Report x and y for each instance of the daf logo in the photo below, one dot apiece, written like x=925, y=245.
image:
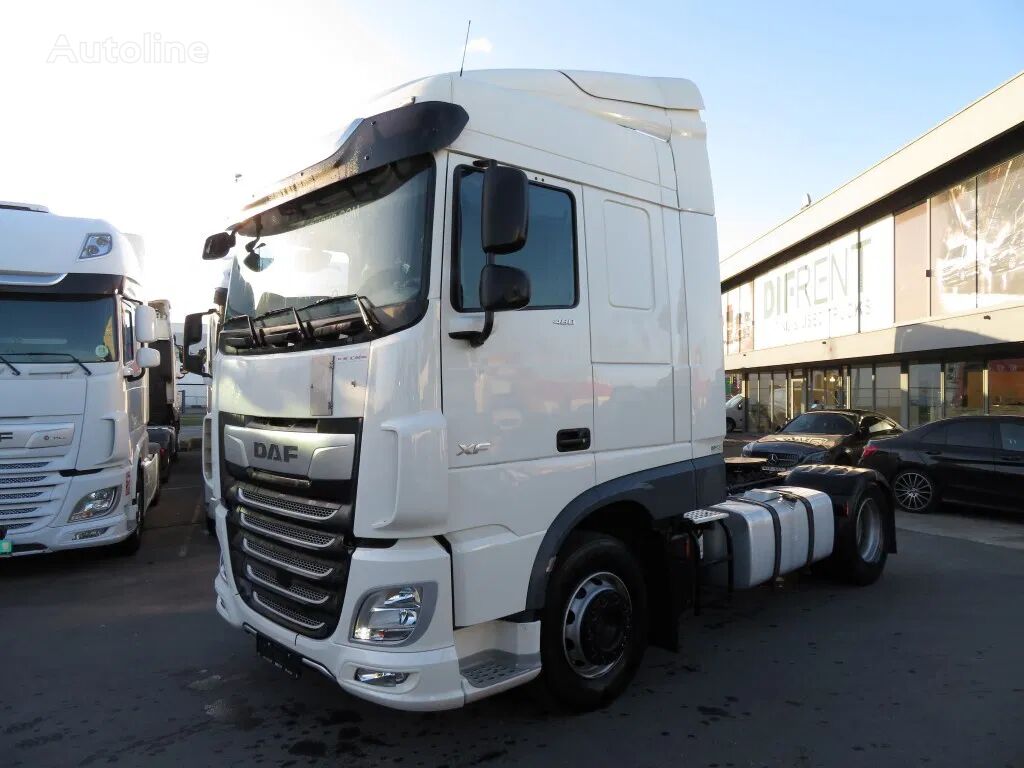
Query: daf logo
x=6, y=436
x=275, y=452
x=471, y=449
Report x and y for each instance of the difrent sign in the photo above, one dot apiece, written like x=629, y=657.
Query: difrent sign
x=813, y=297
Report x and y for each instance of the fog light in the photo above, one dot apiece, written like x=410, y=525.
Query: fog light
x=95, y=504
x=389, y=615
x=92, y=533
x=380, y=678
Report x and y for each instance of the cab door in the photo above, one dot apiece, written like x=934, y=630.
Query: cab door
x=520, y=407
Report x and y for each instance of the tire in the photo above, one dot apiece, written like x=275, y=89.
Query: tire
x=861, y=547
x=914, y=491
x=594, y=622
x=730, y=425
x=165, y=473
x=131, y=545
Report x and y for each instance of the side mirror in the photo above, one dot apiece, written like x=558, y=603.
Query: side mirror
x=505, y=210
x=194, y=362
x=218, y=245
x=503, y=288
x=145, y=324
x=147, y=357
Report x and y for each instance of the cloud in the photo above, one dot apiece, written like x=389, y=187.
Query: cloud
x=479, y=45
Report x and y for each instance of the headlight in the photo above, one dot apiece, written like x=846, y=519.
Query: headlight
x=95, y=504
x=747, y=450
x=815, y=458
x=390, y=615
x=96, y=244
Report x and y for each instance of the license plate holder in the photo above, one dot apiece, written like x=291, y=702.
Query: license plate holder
x=279, y=656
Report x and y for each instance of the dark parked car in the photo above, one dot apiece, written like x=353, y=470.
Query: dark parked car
x=977, y=460
x=164, y=438
x=828, y=436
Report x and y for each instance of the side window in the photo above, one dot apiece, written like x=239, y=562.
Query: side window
x=936, y=436
x=877, y=426
x=549, y=256
x=970, y=434
x=1012, y=436
x=127, y=333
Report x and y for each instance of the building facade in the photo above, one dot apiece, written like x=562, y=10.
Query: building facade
x=902, y=291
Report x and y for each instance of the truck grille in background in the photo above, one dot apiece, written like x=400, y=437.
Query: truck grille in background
x=290, y=556
x=29, y=501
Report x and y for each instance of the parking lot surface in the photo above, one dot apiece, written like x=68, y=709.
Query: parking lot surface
x=111, y=661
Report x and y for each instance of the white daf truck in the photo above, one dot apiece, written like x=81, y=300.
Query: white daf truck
x=75, y=464
x=467, y=421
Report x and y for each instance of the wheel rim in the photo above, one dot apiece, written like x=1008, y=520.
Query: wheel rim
x=869, y=530
x=597, y=625
x=913, y=491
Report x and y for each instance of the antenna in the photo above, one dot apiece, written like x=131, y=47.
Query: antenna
x=465, y=45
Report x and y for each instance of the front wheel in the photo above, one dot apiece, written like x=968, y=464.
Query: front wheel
x=730, y=425
x=594, y=622
x=131, y=545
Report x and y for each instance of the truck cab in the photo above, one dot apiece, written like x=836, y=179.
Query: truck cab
x=75, y=464
x=468, y=384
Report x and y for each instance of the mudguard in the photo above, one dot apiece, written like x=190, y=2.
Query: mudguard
x=845, y=485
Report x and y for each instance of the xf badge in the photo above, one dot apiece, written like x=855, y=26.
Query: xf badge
x=471, y=449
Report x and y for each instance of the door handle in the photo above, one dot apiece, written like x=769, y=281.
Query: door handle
x=577, y=439
x=1011, y=457
x=933, y=453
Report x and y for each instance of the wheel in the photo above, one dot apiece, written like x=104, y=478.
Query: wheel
x=594, y=623
x=131, y=545
x=914, y=491
x=730, y=425
x=860, y=548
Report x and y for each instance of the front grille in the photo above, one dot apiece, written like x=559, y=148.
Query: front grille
x=284, y=504
x=776, y=459
x=16, y=526
x=290, y=534
x=22, y=466
x=290, y=538
x=18, y=511
x=21, y=480
x=20, y=495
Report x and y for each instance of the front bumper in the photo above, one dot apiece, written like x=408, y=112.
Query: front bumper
x=56, y=535
x=432, y=663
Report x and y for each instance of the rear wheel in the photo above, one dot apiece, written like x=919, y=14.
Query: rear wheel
x=860, y=548
x=914, y=491
x=594, y=622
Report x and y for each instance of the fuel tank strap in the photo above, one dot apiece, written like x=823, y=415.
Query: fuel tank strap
x=810, y=522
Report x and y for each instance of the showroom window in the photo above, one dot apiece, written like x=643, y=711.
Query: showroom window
x=1006, y=387
x=954, y=260
x=1001, y=233
x=964, y=389
x=862, y=387
x=924, y=393
x=888, y=392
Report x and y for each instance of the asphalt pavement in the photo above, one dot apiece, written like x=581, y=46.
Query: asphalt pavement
x=124, y=661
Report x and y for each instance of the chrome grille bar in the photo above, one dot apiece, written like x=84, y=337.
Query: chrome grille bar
x=286, y=613
x=291, y=563
x=295, y=592
x=289, y=534
x=280, y=504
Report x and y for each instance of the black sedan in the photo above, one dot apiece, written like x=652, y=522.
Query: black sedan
x=976, y=460
x=828, y=436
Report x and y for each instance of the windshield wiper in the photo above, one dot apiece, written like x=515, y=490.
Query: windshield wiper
x=7, y=362
x=57, y=354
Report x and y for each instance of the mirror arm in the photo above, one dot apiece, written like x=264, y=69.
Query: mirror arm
x=477, y=338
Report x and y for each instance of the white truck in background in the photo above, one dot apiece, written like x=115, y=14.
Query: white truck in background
x=76, y=469
x=467, y=426
x=164, y=396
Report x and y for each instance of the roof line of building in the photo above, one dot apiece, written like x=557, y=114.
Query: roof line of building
x=751, y=255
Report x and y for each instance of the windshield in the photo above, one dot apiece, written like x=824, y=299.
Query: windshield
x=367, y=236
x=821, y=424
x=56, y=327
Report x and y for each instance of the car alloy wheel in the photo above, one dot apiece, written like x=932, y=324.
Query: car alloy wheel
x=913, y=491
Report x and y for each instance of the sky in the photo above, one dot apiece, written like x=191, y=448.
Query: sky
x=145, y=113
